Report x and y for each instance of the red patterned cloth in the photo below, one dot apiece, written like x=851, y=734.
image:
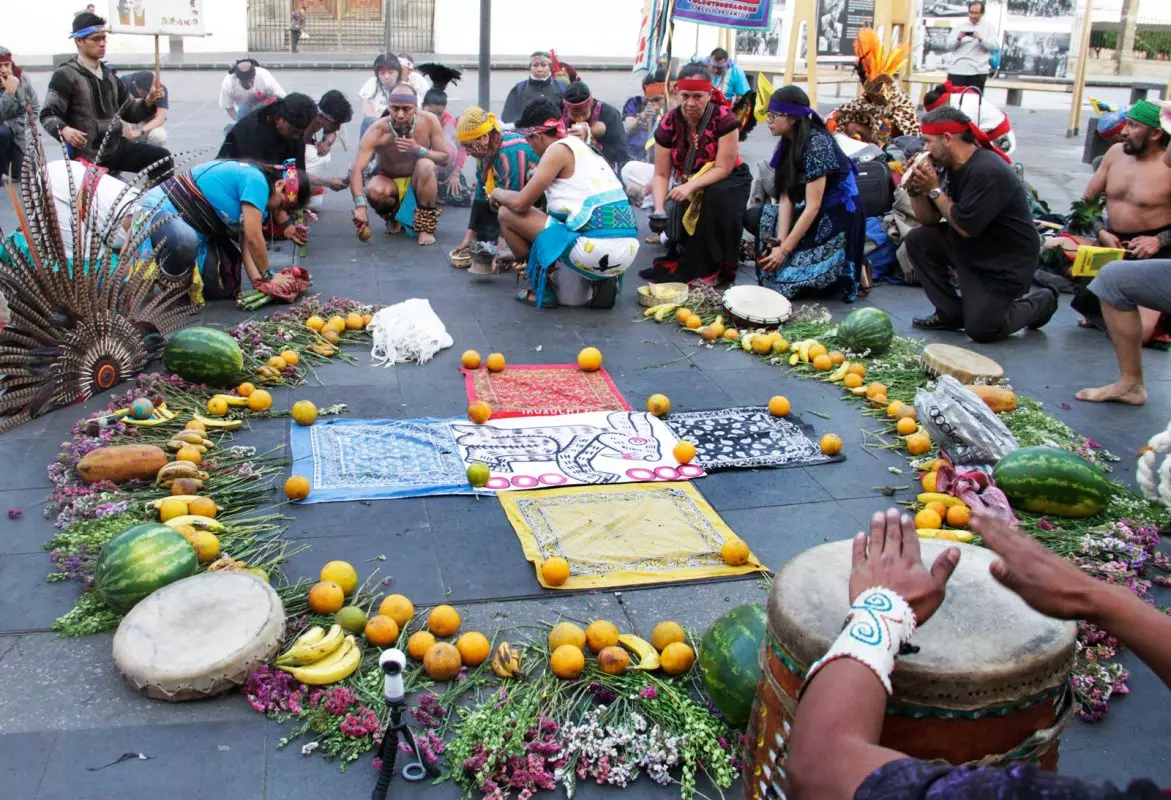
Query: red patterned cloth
x=297, y=286
x=543, y=390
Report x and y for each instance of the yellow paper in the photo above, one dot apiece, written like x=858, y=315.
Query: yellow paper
x=624, y=535
x=1090, y=260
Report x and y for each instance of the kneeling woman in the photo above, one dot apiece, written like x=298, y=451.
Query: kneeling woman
x=590, y=226
x=203, y=213
x=813, y=237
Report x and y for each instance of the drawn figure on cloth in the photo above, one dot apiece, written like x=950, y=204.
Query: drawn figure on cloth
x=574, y=448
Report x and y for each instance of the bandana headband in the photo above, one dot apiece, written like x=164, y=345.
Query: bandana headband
x=957, y=128
x=695, y=85
x=7, y=59
x=579, y=106
x=655, y=89
x=487, y=126
x=555, y=125
x=1144, y=112
x=84, y=32
x=292, y=181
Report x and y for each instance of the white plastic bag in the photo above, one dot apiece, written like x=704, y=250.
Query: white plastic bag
x=962, y=425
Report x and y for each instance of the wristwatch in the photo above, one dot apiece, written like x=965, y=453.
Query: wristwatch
x=934, y=193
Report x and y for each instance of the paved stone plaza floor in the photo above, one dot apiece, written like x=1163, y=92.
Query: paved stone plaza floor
x=64, y=708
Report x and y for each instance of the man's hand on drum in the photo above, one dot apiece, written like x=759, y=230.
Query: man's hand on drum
x=889, y=556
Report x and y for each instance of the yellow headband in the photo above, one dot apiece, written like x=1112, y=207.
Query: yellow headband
x=484, y=127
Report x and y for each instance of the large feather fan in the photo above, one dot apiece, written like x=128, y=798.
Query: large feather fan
x=75, y=329
x=873, y=60
x=440, y=75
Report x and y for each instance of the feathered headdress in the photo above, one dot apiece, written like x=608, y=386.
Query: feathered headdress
x=873, y=60
x=440, y=75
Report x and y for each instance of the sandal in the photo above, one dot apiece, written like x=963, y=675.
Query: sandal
x=529, y=297
x=864, y=282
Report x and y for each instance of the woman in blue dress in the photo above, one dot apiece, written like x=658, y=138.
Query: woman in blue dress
x=813, y=237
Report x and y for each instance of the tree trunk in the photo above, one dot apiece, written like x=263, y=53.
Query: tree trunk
x=1126, y=33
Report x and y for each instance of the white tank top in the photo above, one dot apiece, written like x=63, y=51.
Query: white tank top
x=593, y=184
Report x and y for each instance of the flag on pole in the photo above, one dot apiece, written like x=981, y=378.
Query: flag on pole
x=764, y=90
x=652, y=34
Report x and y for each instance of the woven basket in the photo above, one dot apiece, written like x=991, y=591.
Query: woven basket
x=655, y=294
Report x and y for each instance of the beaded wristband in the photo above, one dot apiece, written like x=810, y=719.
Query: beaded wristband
x=878, y=624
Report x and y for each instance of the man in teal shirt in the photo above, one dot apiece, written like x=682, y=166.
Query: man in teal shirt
x=727, y=77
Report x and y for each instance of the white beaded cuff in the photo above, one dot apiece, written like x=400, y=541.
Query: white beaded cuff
x=878, y=624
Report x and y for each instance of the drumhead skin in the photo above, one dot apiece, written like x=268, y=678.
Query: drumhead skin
x=757, y=304
x=200, y=636
x=965, y=366
x=983, y=647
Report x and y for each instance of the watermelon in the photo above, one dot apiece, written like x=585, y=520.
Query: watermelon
x=1046, y=480
x=204, y=355
x=729, y=661
x=867, y=329
x=139, y=560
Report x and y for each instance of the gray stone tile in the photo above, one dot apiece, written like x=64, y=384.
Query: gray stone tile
x=196, y=761
x=738, y=489
x=27, y=534
x=694, y=606
x=458, y=511
x=484, y=560
x=329, y=520
x=776, y=534
x=688, y=389
x=23, y=758
x=29, y=602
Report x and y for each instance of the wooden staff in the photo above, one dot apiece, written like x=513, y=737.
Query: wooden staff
x=158, y=63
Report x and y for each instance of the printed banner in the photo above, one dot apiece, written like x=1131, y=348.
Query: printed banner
x=754, y=15
x=652, y=34
x=838, y=23
x=157, y=17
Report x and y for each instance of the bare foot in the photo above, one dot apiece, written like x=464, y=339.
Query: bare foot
x=425, y=239
x=1130, y=392
x=393, y=226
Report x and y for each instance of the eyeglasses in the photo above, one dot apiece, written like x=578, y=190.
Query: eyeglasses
x=101, y=38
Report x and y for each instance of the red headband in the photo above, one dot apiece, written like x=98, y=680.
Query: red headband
x=655, y=89
x=943, y=98
x=556, y=125
x=694, y=85
x=957, y=128
x=579, y=106
x=7, y=59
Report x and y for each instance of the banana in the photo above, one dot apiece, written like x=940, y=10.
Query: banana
x=859, y=391
x=337, y=666
x=206, y=523
x=145, y=423
x=506, y=661
x=665, y=311
x=841, y=372
x=179, y=469
x=311, y=635
x=299, y=656
x=174, y=445
x=648, y=656
x=222, y=424
x=653, y=310
x=939, y=497
x=804, y=350
x=162, y=411
x=232, y=400
x=746, y=341
x=794, y=359
x=194, y=438
x=954, y=536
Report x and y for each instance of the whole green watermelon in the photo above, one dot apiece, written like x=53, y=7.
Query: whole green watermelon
x=204, y=355
x=867, y=329
x=729, y=661
x=1047, y=480
x=139, y=560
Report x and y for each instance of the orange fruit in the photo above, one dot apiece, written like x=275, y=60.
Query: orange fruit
x=779, y=406
x=419, y=643
x=732, y=335
x=717, y=328
x=217, y=406
x=297, y=487
x=895, y=409
x=202, y=507
x=708, y=334
x=878, y=401
x=613, y=660
x=667, y=633
x=590, y=359
x=693, y=322
x=479, y=412
x=244, y=390
x=474, y=648
x=206, y=545
x=567, y=662
x=353, y=321
x=189, y=453
x=260, y=400
x=342, y=573
x=337, y=321
x=291, y=358
x=495, y=362
x=735, y=552
x=857, y=369
x=398, y=608
x=171, y=508
x=762, y=344
x=918, y=444
x=929, y=481
x=601, y=634
x=958, y=516
x=822, y=363
x=566, y=633
x=906, y=426
x=780, y=344
x=938, y=507
x=677, y=658
x=908, y=413
x=330, y=335
x=186, y=486
x=837, y=357
x=315, y=323
x=555, y=571
x=443, y=620
x=682, y=314
x=278, y=363
x=852, y=381
x=304, y=412
x=381, y=631
x=367, y=319
x=442, y=661
x=927, y=518
x=684, y=452
x=326, y=597
x=875, y=389
x=658, y=404
x=470, y=359
x=196, y=425
x=817, y=349
x=831, y=444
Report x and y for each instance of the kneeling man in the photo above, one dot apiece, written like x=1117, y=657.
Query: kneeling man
x=590, y=225
x=410, y=146
x=976, y=219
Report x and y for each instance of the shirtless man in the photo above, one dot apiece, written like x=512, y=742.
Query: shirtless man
x=410, y=146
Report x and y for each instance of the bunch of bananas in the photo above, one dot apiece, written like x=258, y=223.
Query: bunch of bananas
x=175, y=470
x=506, y=661
x=318, y=657
x=660, y=312
x=186, y=438
x=648, y=656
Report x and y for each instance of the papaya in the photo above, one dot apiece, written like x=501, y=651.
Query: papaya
x=997, y=398
x=121, y=463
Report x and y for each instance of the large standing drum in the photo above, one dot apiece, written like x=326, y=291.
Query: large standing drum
x=988, y=685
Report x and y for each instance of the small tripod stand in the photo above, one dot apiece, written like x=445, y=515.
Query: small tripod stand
x=416, y=770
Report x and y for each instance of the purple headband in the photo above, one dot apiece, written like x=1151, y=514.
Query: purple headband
x=403, y=96
x=779, y=106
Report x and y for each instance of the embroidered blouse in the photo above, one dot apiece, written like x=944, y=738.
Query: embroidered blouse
x=672, y=134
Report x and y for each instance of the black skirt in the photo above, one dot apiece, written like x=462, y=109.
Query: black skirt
x=715, y=246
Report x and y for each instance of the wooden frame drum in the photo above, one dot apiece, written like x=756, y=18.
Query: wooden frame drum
x=757, y=306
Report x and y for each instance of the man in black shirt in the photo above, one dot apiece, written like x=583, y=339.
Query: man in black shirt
x=583, y=114
x=272, y=134
x=151, y=131
x=976, y=220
